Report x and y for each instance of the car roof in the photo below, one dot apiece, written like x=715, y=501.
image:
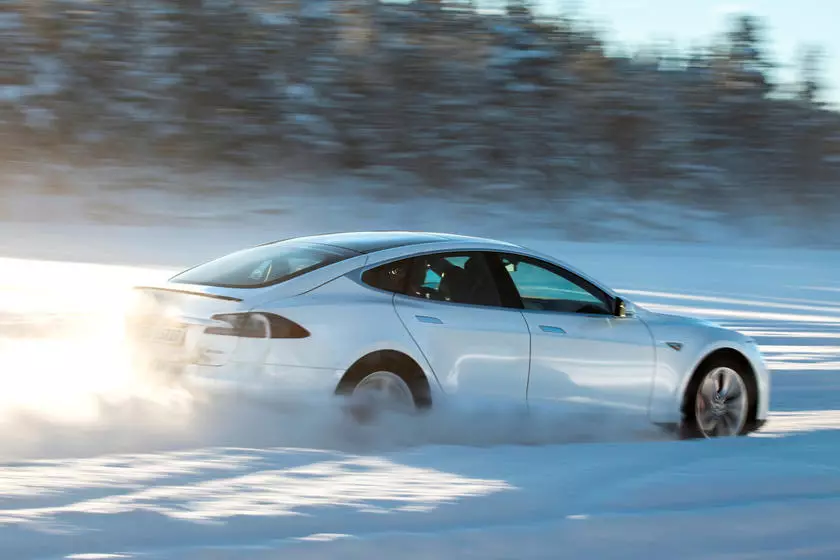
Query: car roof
x=373, y=241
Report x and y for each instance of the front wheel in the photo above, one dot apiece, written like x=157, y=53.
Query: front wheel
x=718, y=402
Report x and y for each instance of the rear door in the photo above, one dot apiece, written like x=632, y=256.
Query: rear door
x=453, y=310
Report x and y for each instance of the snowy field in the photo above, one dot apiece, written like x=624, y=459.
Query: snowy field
x=97, y=465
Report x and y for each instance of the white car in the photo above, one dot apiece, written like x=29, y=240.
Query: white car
x=416, y=318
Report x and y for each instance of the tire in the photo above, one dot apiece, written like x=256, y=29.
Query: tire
x=379, y=392
x=719, y=401
x=383, y=363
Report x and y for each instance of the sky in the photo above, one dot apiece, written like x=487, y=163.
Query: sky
x=789, y=25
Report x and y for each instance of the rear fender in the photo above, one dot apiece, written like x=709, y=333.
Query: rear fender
x=347, y=321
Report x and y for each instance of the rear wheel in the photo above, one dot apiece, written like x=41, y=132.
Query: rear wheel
x=718, y=402
x=380, y=392
x=385, y=380
x=386, y=388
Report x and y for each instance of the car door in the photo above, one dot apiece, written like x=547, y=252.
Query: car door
x=582, y=354
x=475, y=345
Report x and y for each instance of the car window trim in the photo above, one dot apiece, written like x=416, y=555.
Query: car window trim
x=509, y=300
x=358, y=276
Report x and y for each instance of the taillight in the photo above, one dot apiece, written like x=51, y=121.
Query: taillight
x=256, y=325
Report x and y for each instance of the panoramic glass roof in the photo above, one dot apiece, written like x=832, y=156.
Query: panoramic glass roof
x=372, y=241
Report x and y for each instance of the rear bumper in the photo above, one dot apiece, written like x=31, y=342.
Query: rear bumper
x=280, y=383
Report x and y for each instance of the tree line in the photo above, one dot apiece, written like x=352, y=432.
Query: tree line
x=441, y=90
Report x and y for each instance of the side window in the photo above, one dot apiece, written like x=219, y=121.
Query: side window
x=543, y=288
x=456, y=278
x=390, y=277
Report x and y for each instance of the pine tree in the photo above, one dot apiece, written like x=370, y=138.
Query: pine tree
x=810, y=84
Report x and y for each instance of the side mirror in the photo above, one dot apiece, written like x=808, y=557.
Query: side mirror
x=623, y=308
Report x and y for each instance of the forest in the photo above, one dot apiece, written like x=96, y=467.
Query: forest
x=439, y=91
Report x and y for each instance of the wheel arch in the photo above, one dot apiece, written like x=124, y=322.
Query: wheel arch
x=394, y=361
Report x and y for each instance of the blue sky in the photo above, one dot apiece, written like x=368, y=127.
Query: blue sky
x=790, y=24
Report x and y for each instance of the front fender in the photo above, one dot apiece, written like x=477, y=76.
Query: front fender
x=675, y=369
x=750, y=351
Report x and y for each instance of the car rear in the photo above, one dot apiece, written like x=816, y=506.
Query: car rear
x=167, y=327
x=204, y=316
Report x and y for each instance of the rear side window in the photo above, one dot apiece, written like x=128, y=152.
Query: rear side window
x=453, y=277
x=390, y=277
x=262, y=266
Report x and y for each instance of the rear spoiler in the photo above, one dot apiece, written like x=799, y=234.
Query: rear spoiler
x=188, y=292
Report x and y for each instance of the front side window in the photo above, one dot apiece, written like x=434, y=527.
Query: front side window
x=456, y=278
x=262, y=266
x=542, y=287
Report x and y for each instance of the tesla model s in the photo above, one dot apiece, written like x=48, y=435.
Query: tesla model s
x=410, y=319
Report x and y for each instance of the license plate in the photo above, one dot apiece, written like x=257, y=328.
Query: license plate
x=171, y=335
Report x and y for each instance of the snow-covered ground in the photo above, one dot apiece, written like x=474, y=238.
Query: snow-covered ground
x=95, y=464
x=56, y=211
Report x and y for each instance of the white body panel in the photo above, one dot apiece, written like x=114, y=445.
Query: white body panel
x=590, y=360
x=348, y=322
x=464, y=351
x=473, y=350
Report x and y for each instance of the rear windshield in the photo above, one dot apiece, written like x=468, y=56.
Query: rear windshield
x=263, y=266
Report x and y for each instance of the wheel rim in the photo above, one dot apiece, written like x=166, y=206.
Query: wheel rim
x=721, y=405
x=385, y=390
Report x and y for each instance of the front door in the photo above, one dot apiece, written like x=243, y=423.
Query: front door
x=582, y=355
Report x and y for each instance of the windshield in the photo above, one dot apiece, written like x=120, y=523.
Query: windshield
x=264, y=265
